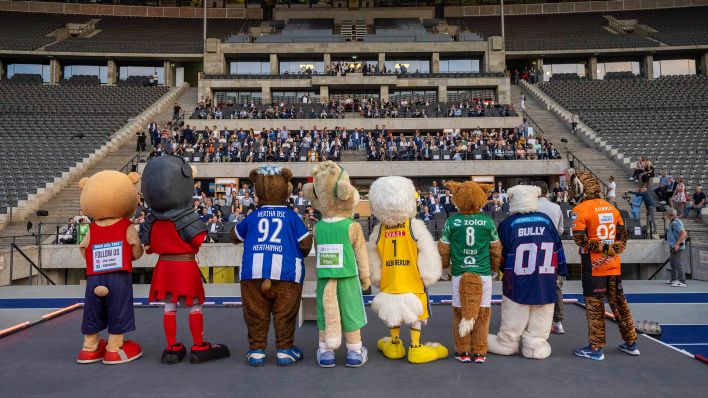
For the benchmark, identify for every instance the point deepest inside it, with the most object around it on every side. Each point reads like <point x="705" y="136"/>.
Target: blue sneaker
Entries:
<point x="289" y="356"/>
<point x="632" y="349"/>
<point x="325" y="358"/>
<point x="255" y="357"/>
<point x="589" y="352"/>
<point x="355" y="359"/>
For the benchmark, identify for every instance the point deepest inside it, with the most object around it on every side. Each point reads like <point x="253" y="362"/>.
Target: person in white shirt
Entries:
<point x="612" y="192"/>
<point x="554" y="212"/>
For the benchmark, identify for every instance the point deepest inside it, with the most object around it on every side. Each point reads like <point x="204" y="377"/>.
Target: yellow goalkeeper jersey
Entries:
<point x="398" y="250"/>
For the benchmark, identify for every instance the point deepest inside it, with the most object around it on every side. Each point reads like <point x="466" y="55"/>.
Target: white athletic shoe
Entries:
<point x="678" y="284"/>
<point x="557" y="328"/>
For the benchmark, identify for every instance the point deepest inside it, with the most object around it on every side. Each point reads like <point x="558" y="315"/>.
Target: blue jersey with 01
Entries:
<point x="534" y="257"/>
<point x="270" y="238"/>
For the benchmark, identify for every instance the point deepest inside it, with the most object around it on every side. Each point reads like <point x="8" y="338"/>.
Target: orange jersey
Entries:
<point x="599" y="220"/>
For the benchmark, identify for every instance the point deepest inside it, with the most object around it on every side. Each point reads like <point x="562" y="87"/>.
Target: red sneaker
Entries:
<point x="479" y="358"/>
<point x="463" y="357"/>
<point x="93" y="356"/>
<point x="129" y="352"/>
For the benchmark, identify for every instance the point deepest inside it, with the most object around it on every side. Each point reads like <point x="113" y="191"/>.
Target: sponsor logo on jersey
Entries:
<point x="604" y="208"/>
<point x="606" y="218"/>
<point x="395" y="234"/>
<point x="458" y="222"/>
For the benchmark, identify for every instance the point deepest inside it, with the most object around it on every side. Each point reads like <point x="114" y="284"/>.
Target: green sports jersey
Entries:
<point x="469" y="236"/>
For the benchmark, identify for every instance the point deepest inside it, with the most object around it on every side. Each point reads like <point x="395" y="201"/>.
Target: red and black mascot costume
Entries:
<point x="175" y="232"/>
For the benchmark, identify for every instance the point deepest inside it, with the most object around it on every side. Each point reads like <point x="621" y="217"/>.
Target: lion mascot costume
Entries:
<point x="533" y="257"/>
<point x="470" y="245"/>
<point x="404" y="263"/>
<point x="342" y="265"/>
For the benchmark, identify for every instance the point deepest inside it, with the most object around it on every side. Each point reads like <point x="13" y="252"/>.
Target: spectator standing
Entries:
<point x="554" y="212"/>
<point x="680" y="198"/>
<point x="612" y="191"/>
<point x="141" y="142"/>
<point x="649" y="204"/>
<point x="522" y="100"/>
<point x="676" y="238"/>
<point x="574" y="123"/>
<point x="698" y="203"/>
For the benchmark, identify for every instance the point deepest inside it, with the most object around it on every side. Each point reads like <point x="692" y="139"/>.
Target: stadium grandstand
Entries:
<point x="506" y="93"/>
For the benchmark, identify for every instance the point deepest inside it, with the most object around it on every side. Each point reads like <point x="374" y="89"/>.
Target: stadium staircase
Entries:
<point x="117" y="154"/>
<point x="599" y="161"/>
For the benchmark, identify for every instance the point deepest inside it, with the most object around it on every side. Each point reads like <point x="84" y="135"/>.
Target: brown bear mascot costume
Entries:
<point x="175" y="232"/>
<point x="111" y="245"/>
<point x="273" y="267"/>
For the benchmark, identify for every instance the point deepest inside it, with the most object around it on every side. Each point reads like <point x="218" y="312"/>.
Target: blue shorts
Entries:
<point x="114" y="311"/>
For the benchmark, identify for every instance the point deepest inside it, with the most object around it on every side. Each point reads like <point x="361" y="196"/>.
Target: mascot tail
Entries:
<point x="265" y="286"/>
<point x="471" y="289"/>
<point x="333" y="322"/>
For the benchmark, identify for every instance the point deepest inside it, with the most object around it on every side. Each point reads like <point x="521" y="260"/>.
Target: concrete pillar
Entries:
<point x="539" y="63"/>
<point x="2" y="69"/>
<point x="112" y="72"/>
<point x="592" y="67"/>
<point x="169" y="74"/>
<point x="266" y="96"/>
<point x="274" y="67"/>
<point x="703" y="64"/>
<point x="324" y="93"/>
<point x="648" y="66"/>
<point x="327" y="60"/>
<point x="54" y="71"/>
<point x="382" y="60"/>
<point x="435" y="63"/>
<point x="442" y="93"/>
<point x="384" y="93"/>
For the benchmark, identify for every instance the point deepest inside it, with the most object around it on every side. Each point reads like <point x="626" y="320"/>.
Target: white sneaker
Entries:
<point x="670" y="282"/>
<point x="631" y="178"/>
<point x="678" y="284"/>
<point x="557" y="328"/>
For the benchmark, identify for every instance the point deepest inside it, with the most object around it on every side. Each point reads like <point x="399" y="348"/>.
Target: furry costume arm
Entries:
<point x="444" y="251"/>
<point x="374" y="258"/>
<point x="305" y="244"/>
<point x="620" y="242"/>
<point x="495" y="256"/>
<point x="356" y="236"/>
<point x="581" y="239"/>
<point x="133" y="238"/>
<point x="429" y="261"/>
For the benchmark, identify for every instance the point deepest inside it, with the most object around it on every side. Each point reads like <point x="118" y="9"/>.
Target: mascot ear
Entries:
<point x="452" y="185"/>
<point x="82" y="182"/>
<point x="287" y="174"/>
<point x="308" y="192"/>
<point x="538" y="191"/>
<point x="487" y="188"/>
<point x="253" y="176"/>
<point x="345" y="191"/>
<point x="134" y="177"/>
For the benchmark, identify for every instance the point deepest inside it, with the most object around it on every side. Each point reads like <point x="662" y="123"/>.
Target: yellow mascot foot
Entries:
<point x="392" y="349"/>
<point x="423" y="354"/>
<point x="440" y="349"/>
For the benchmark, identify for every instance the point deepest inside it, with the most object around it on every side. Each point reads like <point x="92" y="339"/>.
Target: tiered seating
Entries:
<point x="302" y="31"/>
<point x="665" y="119"/>
<point x="28" y="31"/>
<point x="403" y="30"/>
<point x="675" y="26"/>
<point x="151" y="35"/>
<point x="48" y="129"/>
<point x="552" y="32"/>
<point x="82" y="80"/>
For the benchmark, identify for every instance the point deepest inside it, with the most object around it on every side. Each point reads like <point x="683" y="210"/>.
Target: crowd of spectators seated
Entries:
<point x="364" y="106"/>
<point x="212" y="144"/>
<point x="478" y="144"/>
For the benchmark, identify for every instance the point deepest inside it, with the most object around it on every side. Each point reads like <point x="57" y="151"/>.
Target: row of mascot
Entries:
<point x="400" y="258"/>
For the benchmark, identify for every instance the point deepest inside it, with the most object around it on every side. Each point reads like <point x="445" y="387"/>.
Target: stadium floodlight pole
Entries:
<point x="502" y="20"/>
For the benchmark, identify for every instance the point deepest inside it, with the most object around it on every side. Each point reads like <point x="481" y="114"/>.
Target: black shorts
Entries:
<point x="596" y="286"/>
<point x="114" y="311"/>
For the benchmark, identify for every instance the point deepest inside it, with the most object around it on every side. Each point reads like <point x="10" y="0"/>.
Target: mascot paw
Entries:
<point x="100" y="291"/>
<point x="440" y="349"/>
<point x="422" y="354"/>
<point x="365" y="283"/>
<point x="536" y="351"/>
<point x="466" y="326"/>
<point x="495" y="345"/>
